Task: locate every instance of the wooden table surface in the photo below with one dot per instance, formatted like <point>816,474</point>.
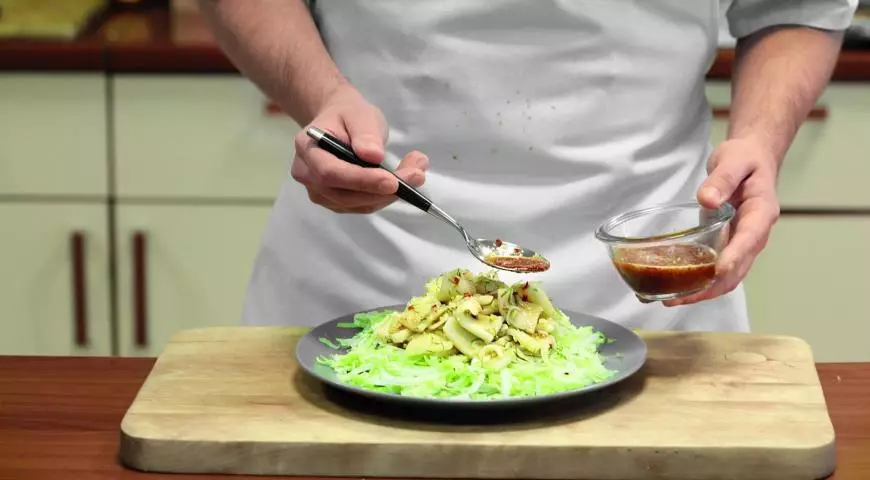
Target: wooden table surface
<point>59,417</point>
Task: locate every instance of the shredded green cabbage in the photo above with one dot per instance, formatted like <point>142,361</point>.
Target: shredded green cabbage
<point>572,363</point>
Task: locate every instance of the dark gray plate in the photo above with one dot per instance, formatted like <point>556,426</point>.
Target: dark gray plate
<point>625,355</point>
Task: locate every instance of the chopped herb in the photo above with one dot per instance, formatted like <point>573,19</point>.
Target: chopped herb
<point>329,343</point>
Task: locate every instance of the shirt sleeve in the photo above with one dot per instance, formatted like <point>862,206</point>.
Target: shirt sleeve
<point>746,17</point>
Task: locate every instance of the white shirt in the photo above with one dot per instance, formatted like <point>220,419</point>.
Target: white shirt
<point>541,119</point>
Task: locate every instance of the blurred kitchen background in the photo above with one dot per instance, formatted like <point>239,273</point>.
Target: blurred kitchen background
<point>138,168</point>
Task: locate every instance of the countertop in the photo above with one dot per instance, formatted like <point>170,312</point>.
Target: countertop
<point>60,417</point>
<point>153,41</point>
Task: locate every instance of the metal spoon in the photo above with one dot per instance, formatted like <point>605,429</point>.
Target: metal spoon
<point>495,253</point>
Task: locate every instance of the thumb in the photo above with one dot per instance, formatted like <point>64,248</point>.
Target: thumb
<point>723,181</point>
<point>368,131</point>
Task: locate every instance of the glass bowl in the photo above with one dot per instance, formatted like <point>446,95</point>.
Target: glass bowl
<point>667,251</point>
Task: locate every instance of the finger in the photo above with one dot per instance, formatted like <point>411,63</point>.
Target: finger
<point>324,201</point>
<point>412,170</point>
<point>373,203</point>
<point>752,228</point>
<point>344,200</point>
<point>318,198</point>
<point>757,216</point>
<point>412,176</point>
<point>367,129</point>
<point>726,281</point>
<point>694,298</point>
<point>416,160</point>
<point>325,169</point>
<point>715,290</point>
<point>349,198</point>
<point>329,171</point>
<point>722,286</point>
<point>354,199</point>
<point>723,181</point>
<point>299,169</point>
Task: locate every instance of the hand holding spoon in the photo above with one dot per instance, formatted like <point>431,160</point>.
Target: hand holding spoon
<point>495,253</point>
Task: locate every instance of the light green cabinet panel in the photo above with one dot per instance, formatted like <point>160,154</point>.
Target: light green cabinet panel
<point>37,303</point>
<point>199,136</point>
<point>52,134</point>
<point>812,281</point>
<point>196,262</point>
<point>829,162</point>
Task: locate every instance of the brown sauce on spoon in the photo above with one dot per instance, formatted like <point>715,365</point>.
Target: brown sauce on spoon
<point>519,263</point>
<point>515,260</point>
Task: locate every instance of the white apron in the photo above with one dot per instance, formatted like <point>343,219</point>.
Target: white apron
<point>540,118</point>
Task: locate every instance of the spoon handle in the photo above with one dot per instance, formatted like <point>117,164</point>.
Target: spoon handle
<point>328,142</point>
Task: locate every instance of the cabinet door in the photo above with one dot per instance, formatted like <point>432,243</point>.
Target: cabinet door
<point>199,136</point>
<point>54,288</point>
<point>52,134</point>
<point>811,281</point>
<point>182,267</point>
<point>829,161</point>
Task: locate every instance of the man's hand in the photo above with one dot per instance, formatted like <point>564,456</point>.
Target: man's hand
<point>338,185</point>
<point>742,173</point>
<point>779,73</point>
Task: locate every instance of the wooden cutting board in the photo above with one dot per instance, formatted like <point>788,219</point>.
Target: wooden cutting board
<point>705,406</point>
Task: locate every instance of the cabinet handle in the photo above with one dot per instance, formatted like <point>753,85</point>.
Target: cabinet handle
<point>140,289</point>
<point>272,109</point>
<point>79,288</point>
<point>817,113</point>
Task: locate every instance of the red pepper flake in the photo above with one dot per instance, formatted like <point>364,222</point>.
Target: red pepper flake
<point>498,242</point>
<point>466,295</point>
<point>525,298</point>
<point>526,285</point>
<point>455,280</point>
<point>410,308</point>
<point>518,250</point>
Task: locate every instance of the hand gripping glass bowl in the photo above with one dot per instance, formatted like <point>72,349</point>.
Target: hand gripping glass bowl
<point>668,251</point>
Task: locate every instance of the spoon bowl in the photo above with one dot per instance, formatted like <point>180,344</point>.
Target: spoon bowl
<point>508,256</point>
<point>495,253</point>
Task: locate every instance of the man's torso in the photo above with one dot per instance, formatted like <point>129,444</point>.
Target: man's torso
<point>540,119</point>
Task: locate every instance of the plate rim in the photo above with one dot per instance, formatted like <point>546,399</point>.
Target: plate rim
<point>447,402</point>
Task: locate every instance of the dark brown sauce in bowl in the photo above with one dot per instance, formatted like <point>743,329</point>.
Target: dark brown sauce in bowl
<point>666,269</point>
<point>519,263</point>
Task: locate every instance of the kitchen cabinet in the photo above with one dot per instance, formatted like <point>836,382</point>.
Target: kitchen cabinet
<point>829,161</point>
<point>54,286</point>
<point>199,136</point>
<point>53,134</point>
<point>213,140</point>
<point>197,163</point>
<point>811,282</point>
<point>182,266</point>
<point>194,203</point>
